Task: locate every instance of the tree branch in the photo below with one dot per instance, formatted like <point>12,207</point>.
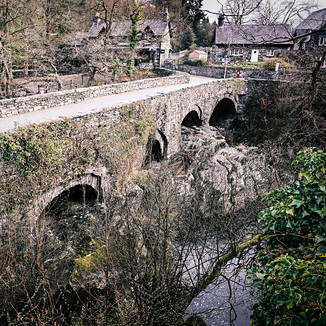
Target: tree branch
<point>209,278</point>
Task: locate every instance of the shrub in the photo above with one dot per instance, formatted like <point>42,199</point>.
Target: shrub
<point>290,273</point>
<point>197,63</point>
<point>270,64</point>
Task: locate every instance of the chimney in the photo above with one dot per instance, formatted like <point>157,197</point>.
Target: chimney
<point>166,16</point>
<point>97,19</point>
<point>221,20</point>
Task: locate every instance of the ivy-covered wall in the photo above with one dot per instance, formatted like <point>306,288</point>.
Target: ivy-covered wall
<point>38,158</point>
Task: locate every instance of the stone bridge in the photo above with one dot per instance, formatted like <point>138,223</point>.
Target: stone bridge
<point>203,101</point>
<point>198,102</point>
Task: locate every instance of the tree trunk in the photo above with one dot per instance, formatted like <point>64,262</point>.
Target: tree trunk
<point>91,76</point>
<point>209,277</point>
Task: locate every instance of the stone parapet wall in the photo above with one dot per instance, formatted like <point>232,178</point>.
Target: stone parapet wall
<point>20,105</point>
<point>218,72</point>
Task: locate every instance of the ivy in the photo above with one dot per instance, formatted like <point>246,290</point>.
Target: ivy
<point>290,272</point>
<point>35,158</point>
<point>134,36</point>
<point>31,148</point>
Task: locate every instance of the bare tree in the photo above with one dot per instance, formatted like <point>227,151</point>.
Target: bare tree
<point>14,21</point>
<point>287,12</point>
<point>238,11</point>
<point>265,12</point>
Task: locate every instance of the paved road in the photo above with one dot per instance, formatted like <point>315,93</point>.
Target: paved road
<point>93,105</point>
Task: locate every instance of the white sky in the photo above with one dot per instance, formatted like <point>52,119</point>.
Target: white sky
<point>213,5</point>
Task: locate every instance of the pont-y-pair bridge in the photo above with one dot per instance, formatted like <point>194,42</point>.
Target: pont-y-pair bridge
<point>192,102</point>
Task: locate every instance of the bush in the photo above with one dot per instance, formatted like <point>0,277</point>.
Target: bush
<point>270,64</point>
<point>290,273</point>
<point>197,63</point>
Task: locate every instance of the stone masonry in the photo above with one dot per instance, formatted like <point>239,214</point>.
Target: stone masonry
<point>20,105</point>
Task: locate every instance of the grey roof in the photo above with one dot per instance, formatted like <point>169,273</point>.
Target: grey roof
<point>96,29</point>
<point>122,28</point>
<point>199,51</point>
<point>313,22</point>
<point>253,34</point>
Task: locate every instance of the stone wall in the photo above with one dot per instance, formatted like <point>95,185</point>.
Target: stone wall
<point>19,105</point>
<point>218,72</point>
<point>88,162</point>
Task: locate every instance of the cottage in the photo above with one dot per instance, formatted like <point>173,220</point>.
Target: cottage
<point>249,42</point>
<point>153,48</point>
<point>310,34</point>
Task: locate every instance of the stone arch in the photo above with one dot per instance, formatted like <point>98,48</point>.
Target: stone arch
<point>156,152</point>
<point>80,194</point>
<point>223,111</point>
<point>64,226</point>
<point>193,118</point>
<point>90,181</point>
<point>157,147</point>
<point>161,138</point>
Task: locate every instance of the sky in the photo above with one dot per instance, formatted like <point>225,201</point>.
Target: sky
<point>213,5</point>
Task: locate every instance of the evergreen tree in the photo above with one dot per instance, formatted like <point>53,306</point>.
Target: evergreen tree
<point>204,32</point>
<point>187,39</point>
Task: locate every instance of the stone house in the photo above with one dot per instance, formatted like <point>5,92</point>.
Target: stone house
<point>310,35</point>
<point>153,48</point>
<point>249,42</point>
<point>198,55</point>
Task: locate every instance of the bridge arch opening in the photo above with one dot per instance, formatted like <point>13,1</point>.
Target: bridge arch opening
<point>163,140</point>
<point>223,114</point>
<point>74,198</point>
<point>157,154</point>
<point>157,147</point>
<point>192,119</point>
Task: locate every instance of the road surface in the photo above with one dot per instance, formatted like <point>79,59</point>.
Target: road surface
<point>93,105</point>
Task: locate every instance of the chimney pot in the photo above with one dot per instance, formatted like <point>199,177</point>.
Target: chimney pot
<point>221,20</point>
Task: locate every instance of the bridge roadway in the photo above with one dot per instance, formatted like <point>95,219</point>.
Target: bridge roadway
<point>94,105</point>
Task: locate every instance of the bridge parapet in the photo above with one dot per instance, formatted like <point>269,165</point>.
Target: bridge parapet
<point>9,107</point>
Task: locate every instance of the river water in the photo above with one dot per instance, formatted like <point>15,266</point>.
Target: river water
<point>228,299</point>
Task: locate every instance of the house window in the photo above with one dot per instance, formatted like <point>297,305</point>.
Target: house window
<point>270,53</point>
<point>148,34</point>
<point>322,41</point>
<point>236,52</point>
<point>323,64</point>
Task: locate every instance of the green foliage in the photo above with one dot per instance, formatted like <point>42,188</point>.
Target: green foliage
<point>94,260</point>
<point>116,67</point>
<point>76,321</point>
<point>30,148</point>
<point>197,63</point>
<point>270,64</point>
<point>120,144</point>
<point>290,273</point>
<point>204,32</point>
<point>236,85</point>
<point>134,36</point>
<point>187,39</point>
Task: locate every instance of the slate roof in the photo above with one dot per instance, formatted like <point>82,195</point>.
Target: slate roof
<point>253,34</point>
<point>314,21</point>
<point>121,29</point>
<point>199,51</point>
<point>96,29</point>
